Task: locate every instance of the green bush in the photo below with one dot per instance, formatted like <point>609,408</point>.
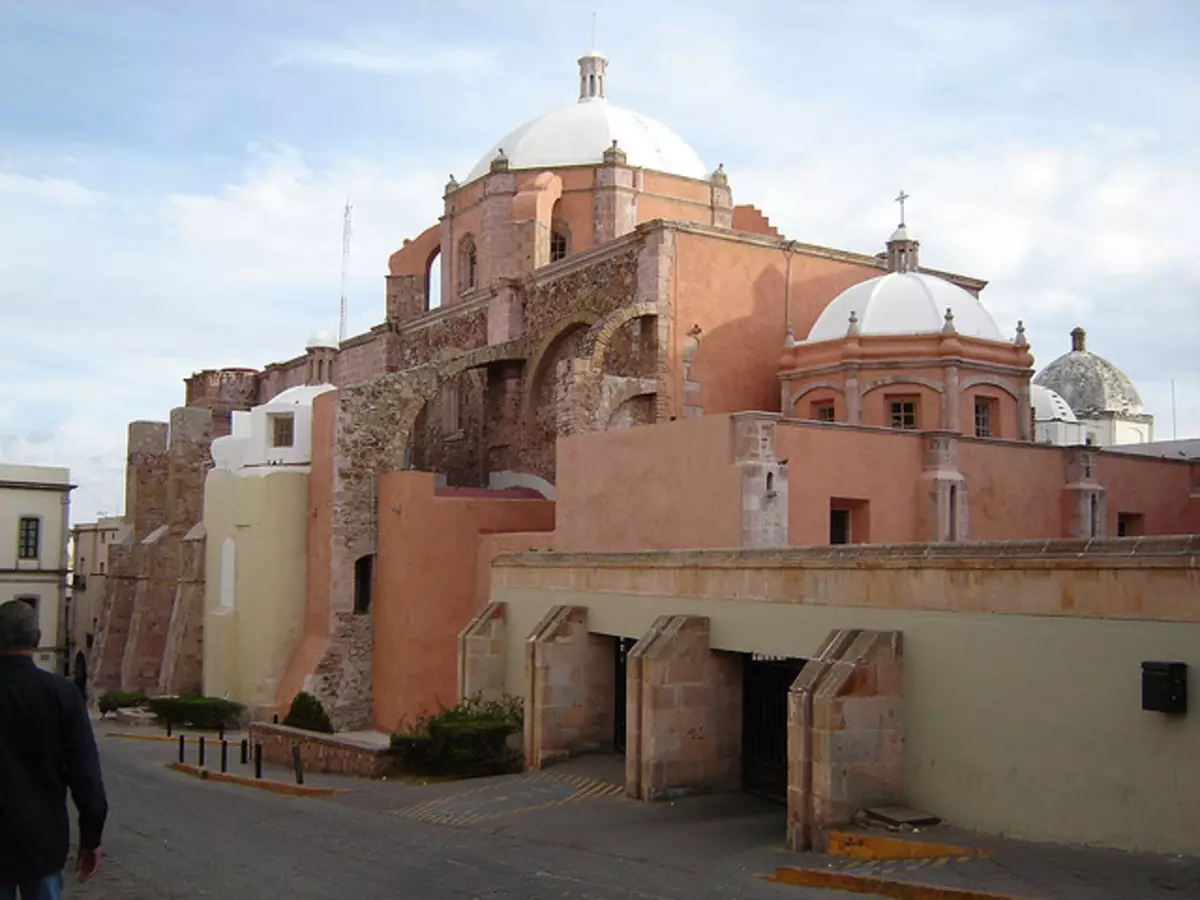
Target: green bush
<point>196,711</point>
<point>114,700</point>
<point>468,739</point>
<point>308,713</point>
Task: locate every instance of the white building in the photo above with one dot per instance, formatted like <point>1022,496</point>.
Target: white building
<point>89,571</point>
<point>34,511</point>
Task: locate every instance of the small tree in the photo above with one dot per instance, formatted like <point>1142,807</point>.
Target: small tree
<point>308,713</point>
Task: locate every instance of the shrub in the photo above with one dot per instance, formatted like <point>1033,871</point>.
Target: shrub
<point>114,700</point>
<point>197,711</point>
<point>308,713</point>
<point>468,739</point>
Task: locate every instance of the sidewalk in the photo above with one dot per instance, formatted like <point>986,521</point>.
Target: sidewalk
<point>1002,867</point>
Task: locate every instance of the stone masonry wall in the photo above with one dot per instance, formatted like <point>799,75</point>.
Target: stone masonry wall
<point>114,617</point>
<point>481,654</point>
<point>182,666</point>
<point>570,689</point>
<point>845,734</point>
<point>685,713</point>
<point>319,752</point>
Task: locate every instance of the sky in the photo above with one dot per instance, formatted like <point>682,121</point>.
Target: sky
<point>173,173</point>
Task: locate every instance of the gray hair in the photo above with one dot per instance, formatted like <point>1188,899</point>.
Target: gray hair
<point>19,629</point>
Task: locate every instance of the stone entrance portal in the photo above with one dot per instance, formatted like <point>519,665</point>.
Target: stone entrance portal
<point>766,681</point>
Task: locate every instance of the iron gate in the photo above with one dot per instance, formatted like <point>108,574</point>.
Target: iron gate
<point>620,699</point>
<point>765,684</point>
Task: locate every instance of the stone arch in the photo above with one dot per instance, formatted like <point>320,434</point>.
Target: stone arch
<point>468,264</point>
<point>433,279</point>
<point>887,380</point>
<point>601,333</point>
<point>814,386</point>
<point>628,390</point>
<point>992,380</point>
<point>544,351</point>
<point>423,382</point>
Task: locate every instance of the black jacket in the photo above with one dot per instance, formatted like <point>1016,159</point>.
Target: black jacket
<point>46,748</point>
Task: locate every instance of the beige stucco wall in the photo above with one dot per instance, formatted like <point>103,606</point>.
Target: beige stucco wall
<point>248,644</point>
<point>1018,723</point>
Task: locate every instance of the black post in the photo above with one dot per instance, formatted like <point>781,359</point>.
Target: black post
<point>221,730</point>
<point>224,756</point>
<point>181,748</point>
<point>168,727</point>
<point>245,751</point>
<point>258,760</point>
<point>202,751</point>
<point>299,765</point>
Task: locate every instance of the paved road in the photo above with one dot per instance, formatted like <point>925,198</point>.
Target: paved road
<point>172,837</point>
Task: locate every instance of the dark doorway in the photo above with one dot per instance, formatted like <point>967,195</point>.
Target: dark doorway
<point>620,695</point>
<point>839,526</point>
<point>765,684</point>
<point>364,571</point>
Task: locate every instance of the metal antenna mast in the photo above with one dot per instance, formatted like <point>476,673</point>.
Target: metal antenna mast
<point>346,231</point>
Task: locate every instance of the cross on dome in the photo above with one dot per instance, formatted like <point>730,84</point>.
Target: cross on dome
<point>900,199</point>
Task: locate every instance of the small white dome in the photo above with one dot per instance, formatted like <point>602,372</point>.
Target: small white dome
<point>322,339</point>
<point>301,395</point>
<point>904,303</point>
<point>1049,406</point>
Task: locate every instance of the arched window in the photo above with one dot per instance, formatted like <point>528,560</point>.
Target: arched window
<point>468,265</point>
<point>433,281</point>
<point>364,571</point>
<point>558,245</point>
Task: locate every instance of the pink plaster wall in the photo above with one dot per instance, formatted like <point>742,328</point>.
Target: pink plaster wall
<point>652,487</point>
<point>426,587</point>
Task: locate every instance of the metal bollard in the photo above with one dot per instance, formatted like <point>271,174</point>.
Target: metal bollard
<point>258,760</point>
<point>181,746</point>
<point>221,730</point>
<point>168,727</point>
<point>202,751</point>
<point>224,756</point>
<point>298,764</point>
<point>245,751</point>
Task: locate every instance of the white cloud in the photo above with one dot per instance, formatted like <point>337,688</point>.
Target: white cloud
<point>411,60</point>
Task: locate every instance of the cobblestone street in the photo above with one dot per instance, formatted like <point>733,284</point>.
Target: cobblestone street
<point>172,837</point>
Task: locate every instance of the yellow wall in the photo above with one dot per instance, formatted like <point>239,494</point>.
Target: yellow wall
<point>1017,723</point>
<point>247,648</point>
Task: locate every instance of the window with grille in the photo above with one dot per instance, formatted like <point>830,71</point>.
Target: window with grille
<point>904,414</point>
<point>558,246</point>
<point>28,537</point>
<point>983,418</point>
<point>824,412</point>
<point>283,430</point>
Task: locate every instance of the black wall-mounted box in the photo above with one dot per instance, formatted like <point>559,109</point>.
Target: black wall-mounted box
<point>1164,687</point>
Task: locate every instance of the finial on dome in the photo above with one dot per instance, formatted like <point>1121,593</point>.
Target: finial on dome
<point>1021,340</point>
<point>852,330</point>
<point>719,176</point>
<point>1078,340</point>
<point>902,247</point>
<point>592,68</point>
<point>614,155</point>
<point>500,161</point>
<point>452,184</point>
<point>949,328</point>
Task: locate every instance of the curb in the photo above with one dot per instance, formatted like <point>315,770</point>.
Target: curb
<point>277,787</point>
<point>881,887</point>
<point>212,740</point>
<point>876,847</point>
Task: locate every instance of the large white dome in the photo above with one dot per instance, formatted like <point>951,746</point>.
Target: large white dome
<point>904,303</point>
<point>580,133</point>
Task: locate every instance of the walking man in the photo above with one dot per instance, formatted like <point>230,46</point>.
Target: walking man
<point>46,749</point>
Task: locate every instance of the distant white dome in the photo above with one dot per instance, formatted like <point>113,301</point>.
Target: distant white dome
<point>301,395</point>
<point>579,134</point>
<point>1090,383</point>
<point>322,339</point>
<point>1048,406</point>
<point>904,303</point>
